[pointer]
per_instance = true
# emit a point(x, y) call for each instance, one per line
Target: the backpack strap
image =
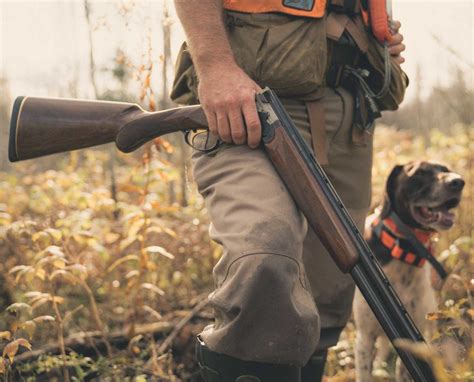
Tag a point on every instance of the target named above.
point(317, 121)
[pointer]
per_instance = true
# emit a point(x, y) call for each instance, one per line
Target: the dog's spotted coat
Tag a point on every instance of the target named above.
point(422, 194)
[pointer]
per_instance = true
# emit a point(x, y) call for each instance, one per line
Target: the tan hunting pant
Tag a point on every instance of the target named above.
point(276, 286)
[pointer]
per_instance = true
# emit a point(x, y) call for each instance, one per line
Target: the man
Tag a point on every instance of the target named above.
point(279, 302)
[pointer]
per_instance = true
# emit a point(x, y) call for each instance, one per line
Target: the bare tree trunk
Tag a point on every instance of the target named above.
point(92, 70)
point(165, 104)
point(183, 148)
point(91, 49)
point(166, 56)
point(4, 125)
point(73, 86)
point(420, 123)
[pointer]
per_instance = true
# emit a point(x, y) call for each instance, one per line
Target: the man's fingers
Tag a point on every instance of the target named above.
point(228, 112)
point(223, 127)
point(252, 122)
point(396, 46)
point(237, 129)
point(396, 39)
point(399, 59)
point(395, 50)
point(396, 25)
point(211, 121)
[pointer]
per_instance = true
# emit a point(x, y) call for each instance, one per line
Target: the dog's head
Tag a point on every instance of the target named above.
point(423, 194)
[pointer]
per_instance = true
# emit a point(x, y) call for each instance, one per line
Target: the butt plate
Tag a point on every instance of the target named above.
point(12, 153)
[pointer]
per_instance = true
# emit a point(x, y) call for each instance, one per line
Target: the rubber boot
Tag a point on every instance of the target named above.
point(313, 371)
point(216, 367)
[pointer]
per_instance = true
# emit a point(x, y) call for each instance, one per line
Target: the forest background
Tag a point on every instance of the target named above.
point(105, 260)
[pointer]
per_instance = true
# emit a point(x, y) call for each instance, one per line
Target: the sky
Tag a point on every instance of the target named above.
point(44, 44)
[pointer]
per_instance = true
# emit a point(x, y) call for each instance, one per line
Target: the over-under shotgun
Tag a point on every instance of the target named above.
point(41, 126)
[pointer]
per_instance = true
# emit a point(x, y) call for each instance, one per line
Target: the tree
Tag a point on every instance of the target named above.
point(5, 103)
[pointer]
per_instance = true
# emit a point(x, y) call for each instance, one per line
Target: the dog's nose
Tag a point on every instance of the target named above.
point(456, 184)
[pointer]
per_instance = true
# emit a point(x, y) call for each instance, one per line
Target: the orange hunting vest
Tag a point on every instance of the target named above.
point(308, 8)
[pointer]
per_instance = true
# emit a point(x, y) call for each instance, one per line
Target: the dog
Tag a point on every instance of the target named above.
point(419, 200)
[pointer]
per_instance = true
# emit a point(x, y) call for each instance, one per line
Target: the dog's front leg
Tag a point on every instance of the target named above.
point(367, 331)
point(384, 348)
point(365, 354)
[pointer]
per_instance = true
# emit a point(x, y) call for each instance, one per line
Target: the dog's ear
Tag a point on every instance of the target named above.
point(412, 167)
point(389, 189)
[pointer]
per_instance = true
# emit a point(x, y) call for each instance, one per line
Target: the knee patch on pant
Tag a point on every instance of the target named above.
point(264, 312)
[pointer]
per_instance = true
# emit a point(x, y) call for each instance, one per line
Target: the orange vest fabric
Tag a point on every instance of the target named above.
point(306, 8)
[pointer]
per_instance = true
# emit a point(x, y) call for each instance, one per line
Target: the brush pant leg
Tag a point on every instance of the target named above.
point(277, 288)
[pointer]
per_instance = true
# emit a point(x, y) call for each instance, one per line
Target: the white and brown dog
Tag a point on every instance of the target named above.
point(418, 203)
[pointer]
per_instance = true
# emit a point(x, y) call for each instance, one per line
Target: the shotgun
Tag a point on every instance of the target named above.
point(41, 126)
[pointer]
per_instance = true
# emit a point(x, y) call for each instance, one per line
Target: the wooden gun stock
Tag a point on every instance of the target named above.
point(44, 126)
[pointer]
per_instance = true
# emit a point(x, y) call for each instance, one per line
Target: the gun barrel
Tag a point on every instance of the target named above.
point(325, 212)
point(43, 126)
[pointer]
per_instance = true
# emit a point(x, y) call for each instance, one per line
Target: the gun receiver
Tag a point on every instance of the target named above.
point(42, 126)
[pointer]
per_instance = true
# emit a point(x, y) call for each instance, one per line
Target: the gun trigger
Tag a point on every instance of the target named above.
point(263, 115)
point(268, 133)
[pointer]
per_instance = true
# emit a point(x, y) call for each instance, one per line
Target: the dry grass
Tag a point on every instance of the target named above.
point(84, 261)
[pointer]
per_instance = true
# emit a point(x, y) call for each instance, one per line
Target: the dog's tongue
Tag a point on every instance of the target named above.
point(445, 218)
point(440, 215)
point(428, 214)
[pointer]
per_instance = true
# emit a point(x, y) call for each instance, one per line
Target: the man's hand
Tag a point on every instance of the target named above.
point(396, 46)
point(227, 95)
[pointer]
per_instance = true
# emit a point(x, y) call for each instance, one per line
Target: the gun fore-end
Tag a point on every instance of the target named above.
point(44, 126)
point(318, 210)
point(309, 189)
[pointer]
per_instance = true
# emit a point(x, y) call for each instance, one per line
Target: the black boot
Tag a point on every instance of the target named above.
point(313, 371)
point(216, 367)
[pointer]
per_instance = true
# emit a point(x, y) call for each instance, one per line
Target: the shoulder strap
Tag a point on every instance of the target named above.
point(317, 121)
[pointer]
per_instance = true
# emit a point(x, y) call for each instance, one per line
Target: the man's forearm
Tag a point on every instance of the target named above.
point(226, 92)
point(207, 38)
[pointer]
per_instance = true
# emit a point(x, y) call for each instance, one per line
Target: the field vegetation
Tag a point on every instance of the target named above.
point(106, 262)
point(94, 285)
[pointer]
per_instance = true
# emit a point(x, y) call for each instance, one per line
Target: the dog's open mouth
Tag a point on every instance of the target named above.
point(440, 215)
